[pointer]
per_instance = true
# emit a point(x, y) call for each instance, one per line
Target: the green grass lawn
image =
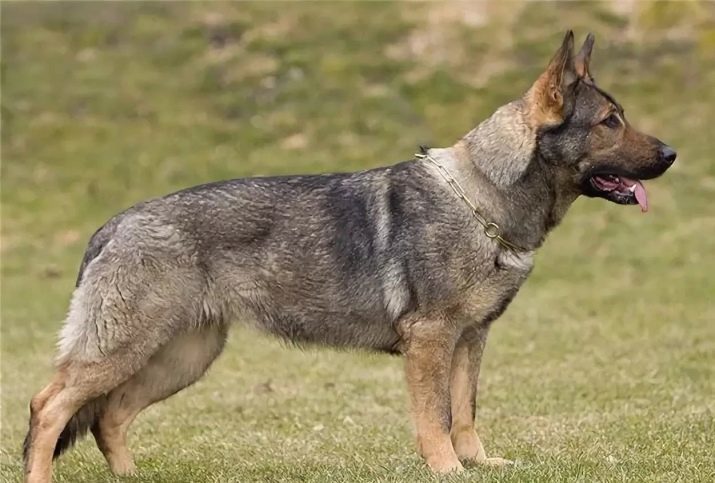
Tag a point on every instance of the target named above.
point(603, 369)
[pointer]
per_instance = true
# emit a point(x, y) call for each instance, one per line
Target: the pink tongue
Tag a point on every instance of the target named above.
point(640, 193)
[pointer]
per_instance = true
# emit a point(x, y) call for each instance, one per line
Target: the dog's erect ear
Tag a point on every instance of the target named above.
point(583, 58)
point(550, 99)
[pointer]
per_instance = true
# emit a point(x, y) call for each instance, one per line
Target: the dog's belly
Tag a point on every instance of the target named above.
point(337, 328)
point(325, 317)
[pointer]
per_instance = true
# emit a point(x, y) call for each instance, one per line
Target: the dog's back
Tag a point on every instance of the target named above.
point(322, 259)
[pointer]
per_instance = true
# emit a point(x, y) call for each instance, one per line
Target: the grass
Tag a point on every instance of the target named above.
point(603, 369)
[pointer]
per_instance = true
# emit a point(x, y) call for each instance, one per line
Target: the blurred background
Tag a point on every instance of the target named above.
point(604, 366)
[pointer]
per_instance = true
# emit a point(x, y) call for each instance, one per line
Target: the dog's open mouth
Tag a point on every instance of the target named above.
point(620, 189)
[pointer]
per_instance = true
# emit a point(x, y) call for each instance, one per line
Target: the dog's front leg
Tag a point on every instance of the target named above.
point(429, 347)
point(464, 378)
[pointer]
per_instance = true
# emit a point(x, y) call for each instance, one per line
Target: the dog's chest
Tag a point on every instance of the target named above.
point(489, 297)
point(520, 263)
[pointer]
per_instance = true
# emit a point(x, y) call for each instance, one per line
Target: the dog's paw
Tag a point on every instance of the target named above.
point(124, 467)
point(468, 446)
point(443, 466)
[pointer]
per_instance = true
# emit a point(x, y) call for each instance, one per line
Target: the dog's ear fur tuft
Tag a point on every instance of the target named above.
point(583, 58)
point(550, 98)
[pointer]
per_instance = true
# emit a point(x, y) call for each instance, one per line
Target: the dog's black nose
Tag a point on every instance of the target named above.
point(668, 154)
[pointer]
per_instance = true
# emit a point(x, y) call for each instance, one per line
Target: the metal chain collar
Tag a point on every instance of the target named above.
point(491, 229)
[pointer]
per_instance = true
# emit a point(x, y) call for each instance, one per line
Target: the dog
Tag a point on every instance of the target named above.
point(418, 258)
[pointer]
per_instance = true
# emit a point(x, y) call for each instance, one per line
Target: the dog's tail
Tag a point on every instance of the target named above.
point(79, 424)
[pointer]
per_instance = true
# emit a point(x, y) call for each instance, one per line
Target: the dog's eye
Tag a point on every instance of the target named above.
point(612, 121)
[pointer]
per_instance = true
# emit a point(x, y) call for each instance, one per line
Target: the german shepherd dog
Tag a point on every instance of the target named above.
point(418, 258)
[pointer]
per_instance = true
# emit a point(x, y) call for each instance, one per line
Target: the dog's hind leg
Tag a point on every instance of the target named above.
point(177, 364)
point(75, 384)
point(127, 306)
point(37, 404)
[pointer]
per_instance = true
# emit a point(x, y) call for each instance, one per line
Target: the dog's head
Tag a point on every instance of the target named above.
point(583, 132)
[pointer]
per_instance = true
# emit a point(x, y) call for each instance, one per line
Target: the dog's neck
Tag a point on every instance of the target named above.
point(503, 145)
point(498, 166)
